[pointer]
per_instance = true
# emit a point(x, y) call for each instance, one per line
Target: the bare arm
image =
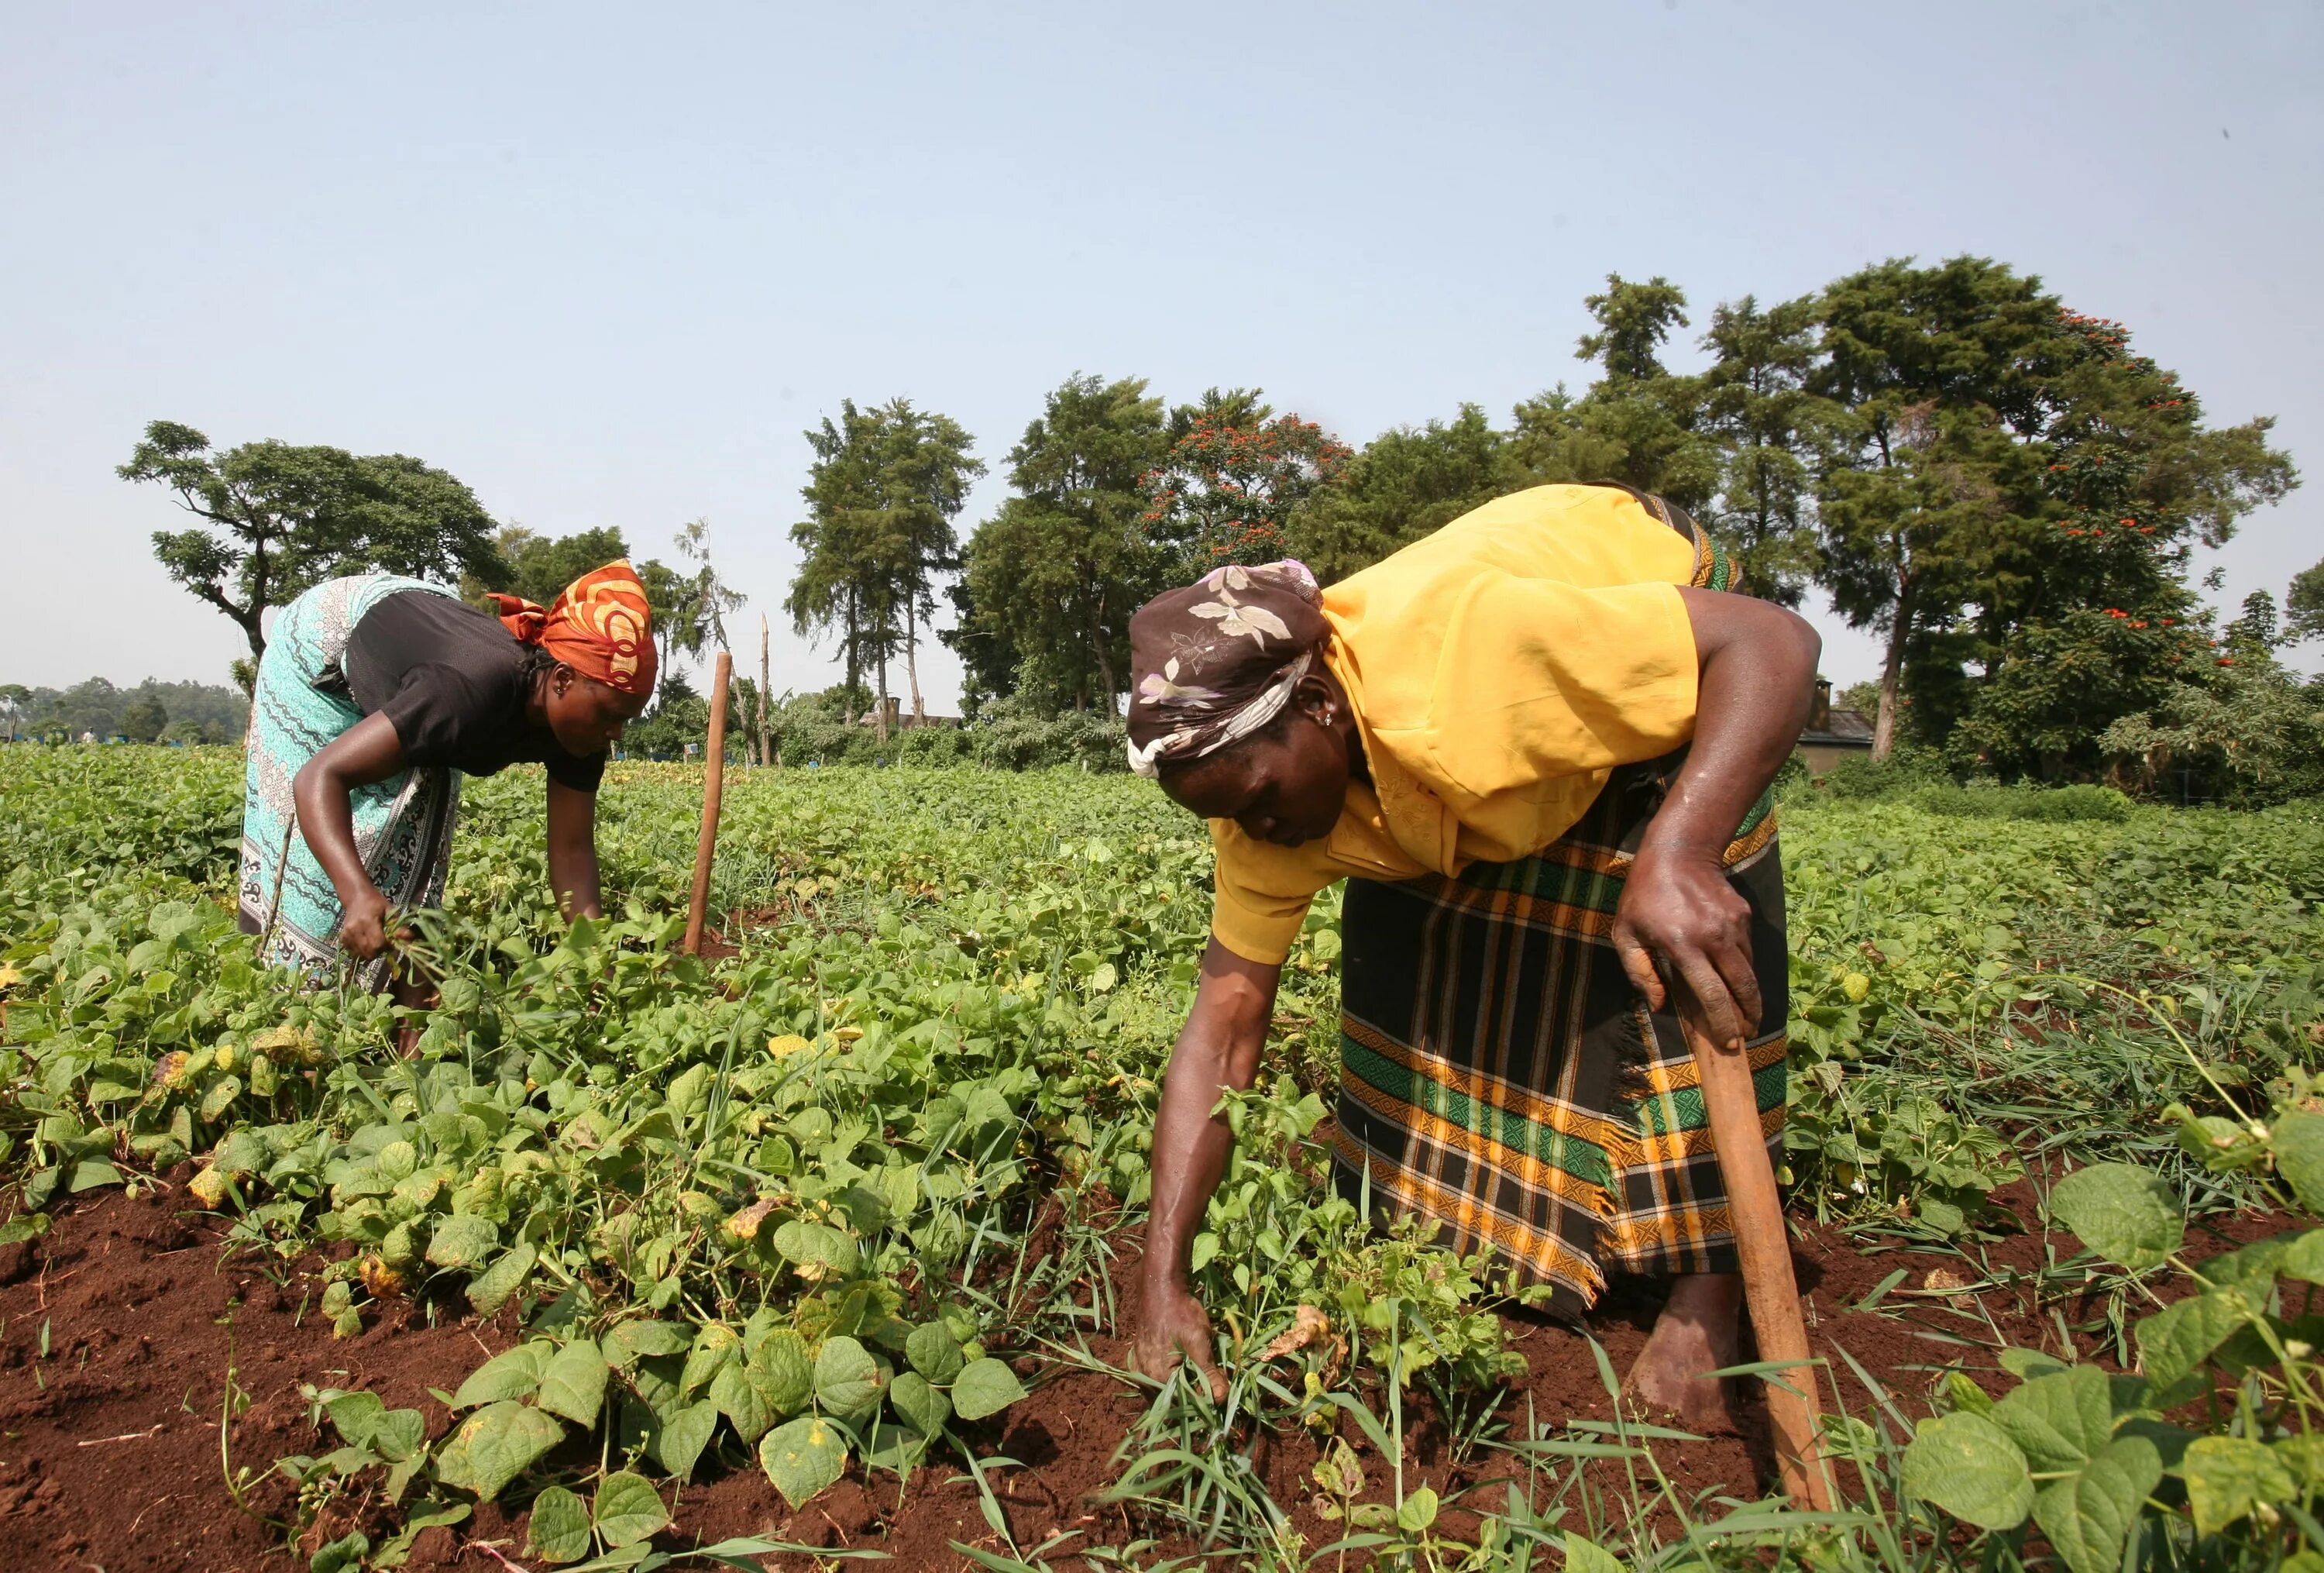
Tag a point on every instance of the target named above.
point(1219, 1048)
point(1758, 665)
point(367, 752)
point(573, 851)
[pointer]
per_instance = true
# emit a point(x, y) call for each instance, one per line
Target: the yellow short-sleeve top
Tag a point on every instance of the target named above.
point(1499, 671)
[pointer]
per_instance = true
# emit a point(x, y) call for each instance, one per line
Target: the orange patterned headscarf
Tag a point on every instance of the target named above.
point(599, 626)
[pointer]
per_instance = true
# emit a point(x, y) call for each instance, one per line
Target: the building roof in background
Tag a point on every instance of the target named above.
point(1840, 727)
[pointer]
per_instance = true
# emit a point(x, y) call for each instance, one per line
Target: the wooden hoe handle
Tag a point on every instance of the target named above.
point(1769, 1289)
point(713, 754)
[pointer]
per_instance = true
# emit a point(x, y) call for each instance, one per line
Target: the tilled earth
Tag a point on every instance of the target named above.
point(119, 1328)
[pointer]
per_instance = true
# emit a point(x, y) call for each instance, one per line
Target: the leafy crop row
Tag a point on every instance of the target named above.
point(834, 1201)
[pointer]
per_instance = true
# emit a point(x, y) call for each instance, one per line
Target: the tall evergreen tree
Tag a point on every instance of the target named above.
point(1638, 423)
point(1770, 431)
point(1054, 575)
point(885, 487)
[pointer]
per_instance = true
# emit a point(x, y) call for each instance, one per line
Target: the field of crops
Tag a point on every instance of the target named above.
point(818, 1247)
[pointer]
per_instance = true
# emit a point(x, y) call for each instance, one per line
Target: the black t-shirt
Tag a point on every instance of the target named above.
point(455, 684)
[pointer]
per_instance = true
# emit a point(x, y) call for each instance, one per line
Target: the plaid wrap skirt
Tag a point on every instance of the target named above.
point(1501, 1076)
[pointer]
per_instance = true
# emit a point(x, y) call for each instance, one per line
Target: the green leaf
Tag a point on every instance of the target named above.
point(355, 1416)
point(2182, 1335)
point(2123, 1213)
point(736, 1396)
point(2025, 1364)
point(1968, 1466)
point(2227, 1477)
point(1418, 1510)
point(91, 1173)
point(574, 1383)
point(24, 1226)
point(934, 1353)
point(2088, 1515)
point(495, 1445)
point(628, 1509)
point(558, 1530)
point(1584, 1555)
point(846, 1377)
point(682, 1436)
point(344, 1555)
point(512, 1374)
point(918, 1402)
point(893, 1447)
point(2303, 1259)
point(713, 1347)
point(399, 1434)
point(802, 1457)
point(491, 1289)
point(463, 1242)
point(2061, 1422)
point(985, 1387)
point(822, 1250)
point(785, 1379)
point(688, 1092)
point(220, 1097)
point(2298, 1139)
point(626, 1343)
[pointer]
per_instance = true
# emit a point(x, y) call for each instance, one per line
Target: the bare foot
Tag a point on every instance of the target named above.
point(1698, 1332)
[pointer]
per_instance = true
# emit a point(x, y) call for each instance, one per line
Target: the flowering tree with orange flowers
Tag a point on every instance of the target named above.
point(1235, 472)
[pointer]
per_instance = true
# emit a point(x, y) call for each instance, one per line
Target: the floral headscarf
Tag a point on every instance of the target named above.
point(599, 626)
point(1217, 661)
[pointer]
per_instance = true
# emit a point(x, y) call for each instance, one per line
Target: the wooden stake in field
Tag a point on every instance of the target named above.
point(713, 785)
point(766, 752)
point(1769, 1290)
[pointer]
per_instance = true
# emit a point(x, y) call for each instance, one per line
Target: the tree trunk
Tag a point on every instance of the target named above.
point(1900, 629)
point(879, 700)
point(767, 755)
point(848, 702)
point(912, 664)
point(1104, 663)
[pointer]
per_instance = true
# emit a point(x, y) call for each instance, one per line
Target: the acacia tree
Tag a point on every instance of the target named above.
point(1056, 574)
point(1234, 474)
point(279, 519)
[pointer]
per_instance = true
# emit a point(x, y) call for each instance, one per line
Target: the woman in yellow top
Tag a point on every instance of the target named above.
point(1537, 746)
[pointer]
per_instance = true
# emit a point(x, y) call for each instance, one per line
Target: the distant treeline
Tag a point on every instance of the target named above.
point(153, 712)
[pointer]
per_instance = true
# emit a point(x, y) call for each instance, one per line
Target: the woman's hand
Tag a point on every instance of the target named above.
point(1172, 1325)
point(1677, 908)
point(1218, 1048)
point(573, 851)
point(363, 930)
point(367, 752)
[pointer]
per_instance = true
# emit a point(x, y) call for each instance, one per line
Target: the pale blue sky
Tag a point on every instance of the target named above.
point(605, 263)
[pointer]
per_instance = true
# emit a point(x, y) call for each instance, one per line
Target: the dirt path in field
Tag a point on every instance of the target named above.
point(109, 1441)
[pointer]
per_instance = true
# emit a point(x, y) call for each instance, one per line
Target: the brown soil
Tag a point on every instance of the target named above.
point(110, 1453)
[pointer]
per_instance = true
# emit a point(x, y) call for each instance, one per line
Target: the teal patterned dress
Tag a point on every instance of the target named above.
point(402, 825)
